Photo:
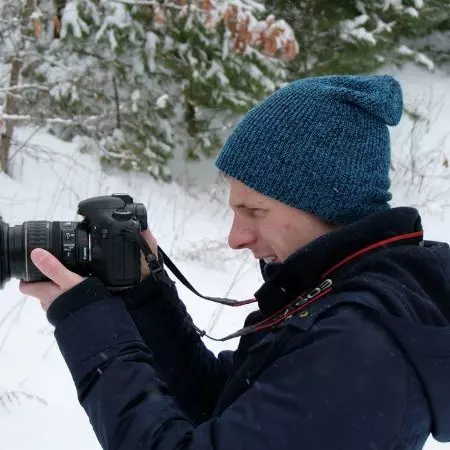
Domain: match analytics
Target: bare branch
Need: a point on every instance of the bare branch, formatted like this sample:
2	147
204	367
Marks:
117	102
28	118
24	86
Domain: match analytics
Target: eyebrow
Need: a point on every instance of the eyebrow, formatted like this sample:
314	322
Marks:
243	205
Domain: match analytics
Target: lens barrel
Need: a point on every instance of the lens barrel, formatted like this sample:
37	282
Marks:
68	241
4	266
22	239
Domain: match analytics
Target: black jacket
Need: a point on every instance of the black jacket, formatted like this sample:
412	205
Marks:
365	366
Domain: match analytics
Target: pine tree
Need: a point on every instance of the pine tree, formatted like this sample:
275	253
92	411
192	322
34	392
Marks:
360	36
141	78
430	34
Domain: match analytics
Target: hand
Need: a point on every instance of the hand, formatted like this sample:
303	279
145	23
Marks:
151	241
62	279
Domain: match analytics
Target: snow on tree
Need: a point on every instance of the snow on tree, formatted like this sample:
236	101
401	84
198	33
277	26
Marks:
16	17
141	78
359	36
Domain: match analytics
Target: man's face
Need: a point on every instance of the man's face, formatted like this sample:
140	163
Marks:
270	229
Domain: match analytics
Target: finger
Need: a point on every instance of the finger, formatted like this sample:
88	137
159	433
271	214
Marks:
45	291
53	269
151	240
145	271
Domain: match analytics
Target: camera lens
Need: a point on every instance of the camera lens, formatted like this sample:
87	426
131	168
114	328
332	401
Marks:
68	241
4	267
22	239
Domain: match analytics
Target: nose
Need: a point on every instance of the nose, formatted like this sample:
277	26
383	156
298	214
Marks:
241	234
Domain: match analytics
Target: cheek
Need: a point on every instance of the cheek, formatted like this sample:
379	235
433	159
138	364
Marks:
287	227
271	233
277	228
285	238
281	228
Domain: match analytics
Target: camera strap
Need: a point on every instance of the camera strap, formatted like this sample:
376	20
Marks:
156	267
324	287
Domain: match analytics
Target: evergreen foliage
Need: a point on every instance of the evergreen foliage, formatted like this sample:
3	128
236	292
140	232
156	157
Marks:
142	79
342	36
138	80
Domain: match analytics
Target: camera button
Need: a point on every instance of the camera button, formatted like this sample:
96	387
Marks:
69	237
122	214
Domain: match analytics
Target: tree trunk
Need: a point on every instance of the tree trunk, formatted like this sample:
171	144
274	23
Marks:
10	107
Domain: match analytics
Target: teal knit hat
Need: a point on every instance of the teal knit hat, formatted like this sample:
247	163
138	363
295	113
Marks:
320	144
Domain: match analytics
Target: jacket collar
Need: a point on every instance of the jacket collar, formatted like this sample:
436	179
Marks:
304	269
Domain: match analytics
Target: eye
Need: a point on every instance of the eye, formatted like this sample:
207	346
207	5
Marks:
257	212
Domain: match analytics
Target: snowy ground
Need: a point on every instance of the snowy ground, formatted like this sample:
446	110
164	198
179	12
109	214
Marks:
38	405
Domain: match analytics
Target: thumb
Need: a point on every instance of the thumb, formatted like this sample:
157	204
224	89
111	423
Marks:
53	269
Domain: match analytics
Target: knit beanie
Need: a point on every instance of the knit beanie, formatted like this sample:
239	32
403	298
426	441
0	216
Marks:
320	144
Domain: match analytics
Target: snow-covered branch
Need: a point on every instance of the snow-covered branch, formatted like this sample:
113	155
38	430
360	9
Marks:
29	118
20	87
140	2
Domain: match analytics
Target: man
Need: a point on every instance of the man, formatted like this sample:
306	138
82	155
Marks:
350	347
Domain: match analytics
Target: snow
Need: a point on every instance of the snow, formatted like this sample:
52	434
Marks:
72	19
353	29
38	405
404	50
423	59
287	33
412	12
135	97
256	6
150	48
225	49
396	4
161	101
119	18
216	70
363	34
36	14
112	40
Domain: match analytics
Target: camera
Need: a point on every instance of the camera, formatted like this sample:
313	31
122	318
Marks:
104	244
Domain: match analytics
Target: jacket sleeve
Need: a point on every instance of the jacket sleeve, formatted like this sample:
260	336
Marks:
180	357
343	386
193	373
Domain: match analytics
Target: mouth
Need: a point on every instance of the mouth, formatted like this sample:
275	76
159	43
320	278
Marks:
269	259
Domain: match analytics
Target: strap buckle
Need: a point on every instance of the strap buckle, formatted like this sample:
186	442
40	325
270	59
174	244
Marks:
155	267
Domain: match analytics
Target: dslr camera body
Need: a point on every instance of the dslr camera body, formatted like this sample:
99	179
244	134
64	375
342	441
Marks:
104	244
